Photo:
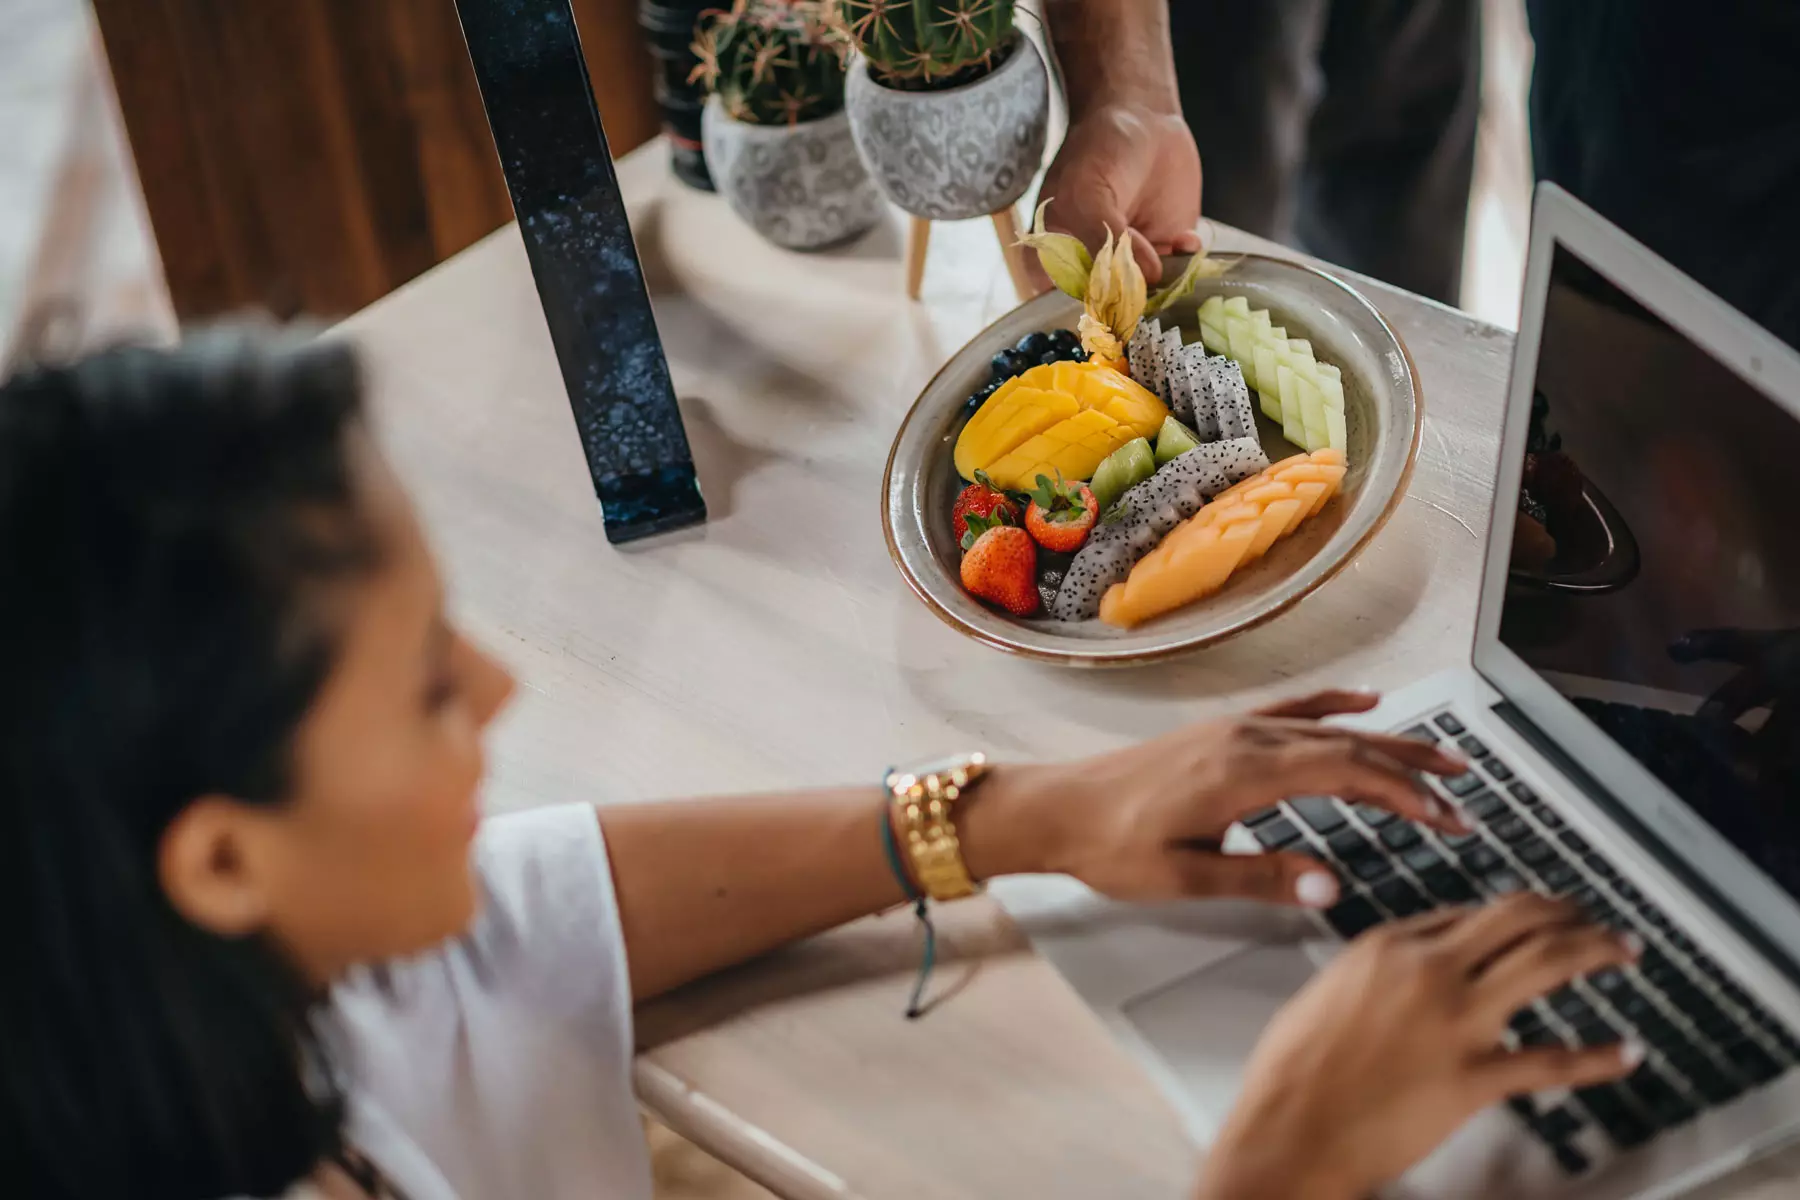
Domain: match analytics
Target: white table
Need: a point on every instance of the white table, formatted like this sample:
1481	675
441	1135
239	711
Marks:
777	646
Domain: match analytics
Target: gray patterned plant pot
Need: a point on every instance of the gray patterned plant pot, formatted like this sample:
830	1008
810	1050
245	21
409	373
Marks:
961	153
801	186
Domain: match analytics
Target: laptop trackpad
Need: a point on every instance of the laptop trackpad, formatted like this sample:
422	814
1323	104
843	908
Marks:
1202	1027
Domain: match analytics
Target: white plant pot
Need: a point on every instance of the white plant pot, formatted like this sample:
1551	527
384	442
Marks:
951	155
801	186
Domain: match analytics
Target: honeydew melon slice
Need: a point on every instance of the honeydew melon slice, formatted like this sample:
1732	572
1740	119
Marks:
1242	339
1293	420
1269	391
1214	337
1237	306
1312	412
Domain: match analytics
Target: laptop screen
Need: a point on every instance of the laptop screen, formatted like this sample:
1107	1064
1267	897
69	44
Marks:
1655	571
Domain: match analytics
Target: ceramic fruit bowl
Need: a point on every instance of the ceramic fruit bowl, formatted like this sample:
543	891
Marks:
1364	438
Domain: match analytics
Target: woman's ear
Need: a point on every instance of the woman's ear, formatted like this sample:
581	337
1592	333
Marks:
208	864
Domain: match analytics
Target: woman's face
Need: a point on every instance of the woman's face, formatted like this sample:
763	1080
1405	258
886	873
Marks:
369	856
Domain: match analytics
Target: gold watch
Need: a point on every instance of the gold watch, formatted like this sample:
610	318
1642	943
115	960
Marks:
924	800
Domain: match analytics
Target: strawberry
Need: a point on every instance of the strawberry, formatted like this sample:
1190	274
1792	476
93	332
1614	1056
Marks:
1000	566
1061	514
981	498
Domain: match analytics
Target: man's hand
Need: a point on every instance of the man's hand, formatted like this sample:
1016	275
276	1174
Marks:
1126	166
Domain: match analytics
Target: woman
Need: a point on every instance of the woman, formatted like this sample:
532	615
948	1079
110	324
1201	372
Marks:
262	946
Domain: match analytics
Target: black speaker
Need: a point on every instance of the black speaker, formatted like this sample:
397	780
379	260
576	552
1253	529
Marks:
668	27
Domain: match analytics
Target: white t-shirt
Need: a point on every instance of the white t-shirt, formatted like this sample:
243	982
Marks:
499	1065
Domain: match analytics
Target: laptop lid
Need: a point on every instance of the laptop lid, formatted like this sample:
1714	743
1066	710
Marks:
1640	602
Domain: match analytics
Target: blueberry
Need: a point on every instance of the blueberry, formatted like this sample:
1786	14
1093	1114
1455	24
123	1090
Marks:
1007	363
1050	356
1078	354
1033	345
983	392
1065	340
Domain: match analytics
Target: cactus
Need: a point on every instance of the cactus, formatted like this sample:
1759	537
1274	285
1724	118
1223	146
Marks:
917	45
772	62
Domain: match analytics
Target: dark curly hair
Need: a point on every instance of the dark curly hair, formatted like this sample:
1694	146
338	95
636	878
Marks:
169	521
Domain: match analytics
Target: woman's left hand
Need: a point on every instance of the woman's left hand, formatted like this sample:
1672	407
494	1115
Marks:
1147	823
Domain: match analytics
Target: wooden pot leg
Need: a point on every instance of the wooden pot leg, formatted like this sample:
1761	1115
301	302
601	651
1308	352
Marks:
918	240
1006	226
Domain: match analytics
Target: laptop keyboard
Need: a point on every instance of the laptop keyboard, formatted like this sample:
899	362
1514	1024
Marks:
1708	1041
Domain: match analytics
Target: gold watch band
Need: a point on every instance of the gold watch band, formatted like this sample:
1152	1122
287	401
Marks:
924	801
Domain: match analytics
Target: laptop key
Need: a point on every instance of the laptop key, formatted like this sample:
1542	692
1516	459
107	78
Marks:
1556	1124
1419	733
1511	829
1353	916
1449	724
1277	834
1570	1158
1549	818
1486	807
1401	898
1497	770
1574	841
1524	795
1370	867
1752	1061
1481	859
1534	852
1600	867
1349	843
1660	1098
1559	877
1421	859
1259	818
1457	841
1571	1006
1447	886
1465	784
1374	817
1472	747
1611	1112
1596	1033
1320	812
1504	882
1400	837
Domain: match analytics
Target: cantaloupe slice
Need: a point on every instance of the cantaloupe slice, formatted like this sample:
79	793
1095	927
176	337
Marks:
1238	527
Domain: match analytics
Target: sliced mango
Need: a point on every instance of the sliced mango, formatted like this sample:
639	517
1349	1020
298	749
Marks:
1062	416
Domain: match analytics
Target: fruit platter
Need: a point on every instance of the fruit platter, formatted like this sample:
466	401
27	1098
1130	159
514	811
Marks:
1107	476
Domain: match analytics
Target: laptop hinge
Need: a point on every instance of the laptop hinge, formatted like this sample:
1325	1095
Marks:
1669	860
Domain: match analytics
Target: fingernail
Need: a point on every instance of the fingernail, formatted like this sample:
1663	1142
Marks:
1631	1053
1316	889
1634	945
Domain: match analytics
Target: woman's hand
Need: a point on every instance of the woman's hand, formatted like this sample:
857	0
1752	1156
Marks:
1390	1049
1146	823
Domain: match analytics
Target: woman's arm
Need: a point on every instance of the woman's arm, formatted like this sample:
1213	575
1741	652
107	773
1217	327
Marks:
705	884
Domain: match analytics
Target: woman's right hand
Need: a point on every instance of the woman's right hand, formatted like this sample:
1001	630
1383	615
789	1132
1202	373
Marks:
1390	1049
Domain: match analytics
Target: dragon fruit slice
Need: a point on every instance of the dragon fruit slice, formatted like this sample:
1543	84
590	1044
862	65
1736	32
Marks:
1231	398
1141	352
1202	416
1147	513
1096	567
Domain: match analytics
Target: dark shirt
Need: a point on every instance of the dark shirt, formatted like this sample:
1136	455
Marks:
1680	122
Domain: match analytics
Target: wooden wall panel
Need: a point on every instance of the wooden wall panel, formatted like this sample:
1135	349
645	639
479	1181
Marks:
309	156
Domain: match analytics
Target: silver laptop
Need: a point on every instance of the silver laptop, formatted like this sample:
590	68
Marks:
1632	706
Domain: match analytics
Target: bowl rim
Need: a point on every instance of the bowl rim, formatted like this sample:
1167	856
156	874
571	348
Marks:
1200	642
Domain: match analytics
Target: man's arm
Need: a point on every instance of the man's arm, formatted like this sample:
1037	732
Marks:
1112	51
1129	161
